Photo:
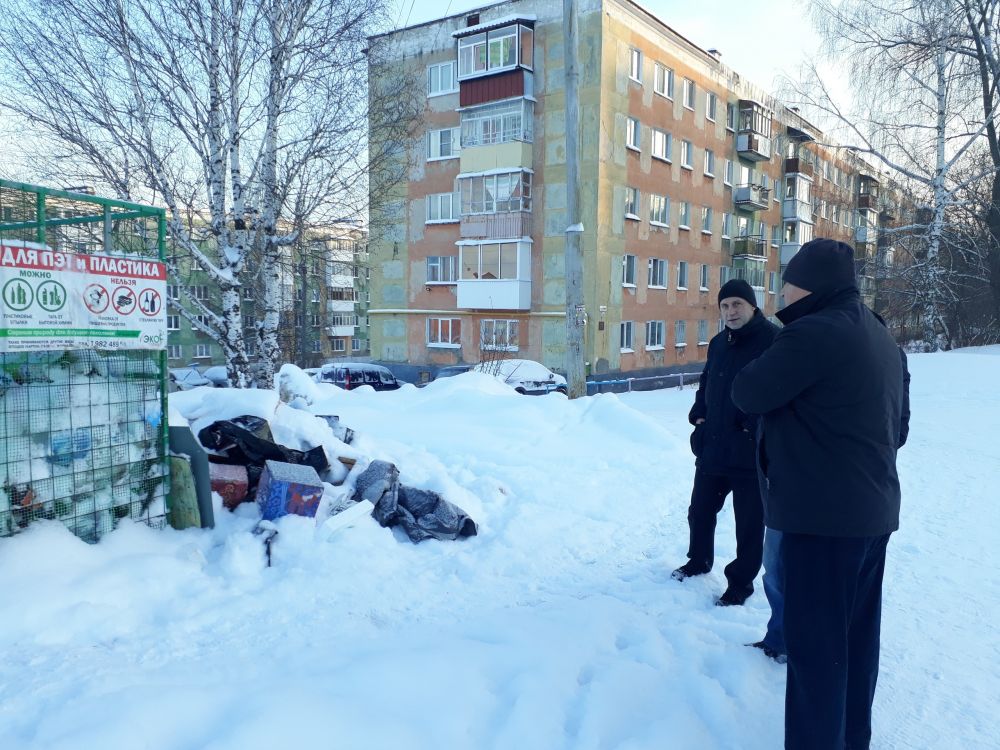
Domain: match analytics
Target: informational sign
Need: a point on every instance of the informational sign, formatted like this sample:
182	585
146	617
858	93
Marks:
51	300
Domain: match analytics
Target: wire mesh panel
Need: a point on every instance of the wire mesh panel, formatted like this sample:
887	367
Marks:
82	430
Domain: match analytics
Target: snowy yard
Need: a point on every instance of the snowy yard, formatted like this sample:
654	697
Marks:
557	627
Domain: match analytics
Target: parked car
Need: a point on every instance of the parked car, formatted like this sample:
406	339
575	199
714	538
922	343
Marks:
350	375
186	378
525	376
218	375
451	371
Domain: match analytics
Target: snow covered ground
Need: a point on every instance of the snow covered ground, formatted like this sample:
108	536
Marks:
557	627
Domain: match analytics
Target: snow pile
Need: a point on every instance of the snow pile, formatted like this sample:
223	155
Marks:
557	627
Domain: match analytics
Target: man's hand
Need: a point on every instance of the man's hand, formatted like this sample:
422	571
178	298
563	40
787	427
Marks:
699	421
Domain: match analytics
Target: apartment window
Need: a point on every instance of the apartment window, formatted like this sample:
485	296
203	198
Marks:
727	176
682	274
251	347
657	273
762	233
443	144
492	260
339	345
175	351
706	220
631	203
173	292
344	319
709	162
627	330
499	335
772	282
299	320
633	134
173	322
315	320
702	332
203	319
689	90
687	155
496	193
635	65
202	351
628	270
442	208
314	347
730	116
703	283
247	292
654	334
727	225
441	79
442	269
498	123
315	295
662	144
298	295
724	273
659	210
711	105
355	345
685	215
445	333
342	294
198	292
835	214
680	333
776	235
663	82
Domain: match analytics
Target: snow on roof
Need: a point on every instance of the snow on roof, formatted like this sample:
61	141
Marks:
487	25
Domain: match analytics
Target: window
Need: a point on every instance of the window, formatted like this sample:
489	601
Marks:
706	220
498	123
442	208
314	347
339	345
685	215
703	283
496	193
173	292
711	105
442	269
776	235
251	346
709	162
687	155
315	320
198	292
727	225
702	332
728	175
635	65
444	333
663	81
659	210
626	336
662	144
680	333
344	319
491	261
654	334
633	135
443	144
202	351
315	295
499	335
497	49
628	270
173	322
772	282
247	292
355	345
631	203
657	273
724	273
730	116
203	319
441	79
342	294
299	320
175	351
688	93
682	274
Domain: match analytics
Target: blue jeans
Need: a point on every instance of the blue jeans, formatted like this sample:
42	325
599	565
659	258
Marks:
774	590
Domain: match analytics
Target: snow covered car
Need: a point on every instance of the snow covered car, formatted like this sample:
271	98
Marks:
451	371
525	376
350	375
185	378
218	375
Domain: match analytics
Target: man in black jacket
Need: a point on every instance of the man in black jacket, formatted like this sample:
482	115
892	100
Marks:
831	392
724	441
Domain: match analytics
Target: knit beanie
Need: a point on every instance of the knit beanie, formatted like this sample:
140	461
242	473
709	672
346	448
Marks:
822	265
738	288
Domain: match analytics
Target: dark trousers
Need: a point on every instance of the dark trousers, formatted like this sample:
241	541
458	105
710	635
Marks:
833	612
707	499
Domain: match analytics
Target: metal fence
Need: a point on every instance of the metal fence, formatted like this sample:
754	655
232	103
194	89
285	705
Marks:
643	383
83	433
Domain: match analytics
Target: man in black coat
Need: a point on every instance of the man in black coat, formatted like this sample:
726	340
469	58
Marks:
724	441
831	392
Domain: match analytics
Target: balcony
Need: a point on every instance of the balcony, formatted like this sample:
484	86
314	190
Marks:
792	209
788	250
868	201
796	165
341	330
865	235
340	306
499	226
494	294
752	197
753	146
752	245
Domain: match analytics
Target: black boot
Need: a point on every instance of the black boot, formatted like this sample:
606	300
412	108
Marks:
690	569
734	597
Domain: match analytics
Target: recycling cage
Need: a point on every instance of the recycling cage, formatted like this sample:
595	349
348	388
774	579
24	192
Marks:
83	432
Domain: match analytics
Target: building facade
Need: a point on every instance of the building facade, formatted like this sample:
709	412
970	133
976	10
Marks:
689	175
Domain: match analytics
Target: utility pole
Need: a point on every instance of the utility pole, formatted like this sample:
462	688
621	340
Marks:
575	310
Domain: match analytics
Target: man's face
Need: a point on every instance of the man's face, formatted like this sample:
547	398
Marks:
736	312
793	293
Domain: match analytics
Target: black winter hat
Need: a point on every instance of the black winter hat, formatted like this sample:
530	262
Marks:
822	265
738	288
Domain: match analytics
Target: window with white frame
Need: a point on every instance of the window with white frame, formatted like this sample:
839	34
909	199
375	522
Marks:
499	335
776	235
657	273
495	193
631	203
711	106
355	345
173	292
315	320
682	274
342	294
684	215
441	79
730	116
498	123
175	351
299	320
724	273
727	225
626	336
628	270
199	291
202	351
442	269
490	261
173	322
709	162
496	49
689	92
680	333
662	143
339	345
314	347
687	155
702	332
442	208
706	220
659	210
703	282
445	333
443	144
654	334
315	295
772	282
728	175
663	81
635	65
344	319
248	292
633	134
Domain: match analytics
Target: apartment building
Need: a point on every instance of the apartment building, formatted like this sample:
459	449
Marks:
689	175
